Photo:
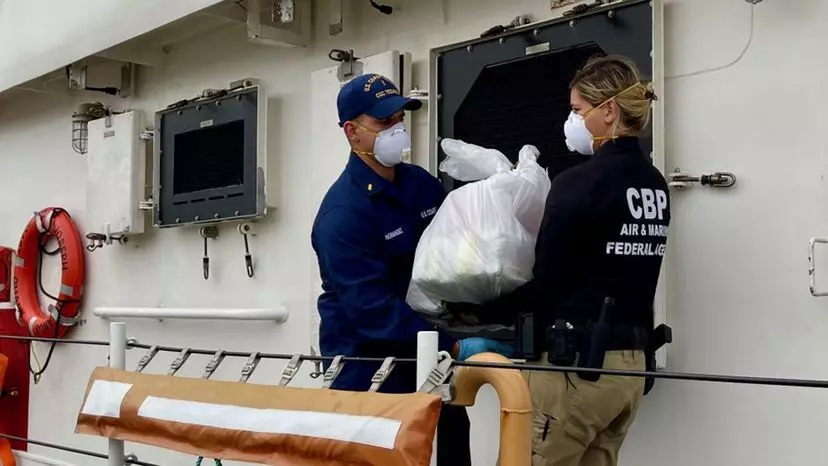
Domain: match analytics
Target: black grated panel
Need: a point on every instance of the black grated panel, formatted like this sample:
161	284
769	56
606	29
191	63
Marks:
524	101
501	92
209	158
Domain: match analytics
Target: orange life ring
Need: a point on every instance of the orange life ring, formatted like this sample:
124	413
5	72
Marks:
51	222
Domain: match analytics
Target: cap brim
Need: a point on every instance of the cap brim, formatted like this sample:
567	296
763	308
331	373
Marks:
388	107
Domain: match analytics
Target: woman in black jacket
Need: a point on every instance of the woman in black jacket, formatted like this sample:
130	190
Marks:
597	263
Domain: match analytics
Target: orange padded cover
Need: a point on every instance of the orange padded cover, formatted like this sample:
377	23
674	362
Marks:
259	423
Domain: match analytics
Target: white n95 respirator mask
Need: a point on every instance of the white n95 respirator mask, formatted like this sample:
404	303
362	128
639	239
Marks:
392	145
578	137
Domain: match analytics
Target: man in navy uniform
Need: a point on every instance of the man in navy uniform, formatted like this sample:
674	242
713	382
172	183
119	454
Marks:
365	235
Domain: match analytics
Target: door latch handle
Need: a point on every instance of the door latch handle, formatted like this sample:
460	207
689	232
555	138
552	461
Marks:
681	180
812	266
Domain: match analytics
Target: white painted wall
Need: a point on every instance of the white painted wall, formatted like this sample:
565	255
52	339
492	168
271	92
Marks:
737	274
50	34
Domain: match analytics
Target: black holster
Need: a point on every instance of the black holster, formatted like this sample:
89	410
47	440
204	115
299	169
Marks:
528	337
596	338
659	337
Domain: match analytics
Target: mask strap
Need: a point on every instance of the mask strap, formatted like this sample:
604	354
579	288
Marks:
367	130
615	124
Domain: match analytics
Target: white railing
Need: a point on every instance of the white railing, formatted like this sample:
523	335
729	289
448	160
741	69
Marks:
25	458
278	314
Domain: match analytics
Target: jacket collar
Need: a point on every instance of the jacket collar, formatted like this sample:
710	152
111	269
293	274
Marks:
622	145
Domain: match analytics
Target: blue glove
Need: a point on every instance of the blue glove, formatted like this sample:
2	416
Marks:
471	346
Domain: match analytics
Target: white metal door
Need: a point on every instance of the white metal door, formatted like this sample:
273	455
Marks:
330	149
737	272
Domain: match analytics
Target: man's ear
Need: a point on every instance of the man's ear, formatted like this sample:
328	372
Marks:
350	130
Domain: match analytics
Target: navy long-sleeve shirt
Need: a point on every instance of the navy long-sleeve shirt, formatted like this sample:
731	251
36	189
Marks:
365	235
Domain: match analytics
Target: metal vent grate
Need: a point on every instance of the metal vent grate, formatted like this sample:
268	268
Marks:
524	101
209	158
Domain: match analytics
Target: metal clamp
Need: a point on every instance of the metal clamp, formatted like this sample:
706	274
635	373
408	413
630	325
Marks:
681	180
812	266
207	232
245	229
250	366
317	365
146	358
436	381
213	364
333	371
289	372
179	361
382	374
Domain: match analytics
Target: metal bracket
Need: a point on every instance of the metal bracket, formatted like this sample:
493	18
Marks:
77	77
99	240
681	180
250	366
382	374
179	361
146	204
146	358
213	364
812	266
333	371
289	372
349	65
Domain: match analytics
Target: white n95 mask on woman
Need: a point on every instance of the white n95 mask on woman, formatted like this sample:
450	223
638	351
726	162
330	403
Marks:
578	137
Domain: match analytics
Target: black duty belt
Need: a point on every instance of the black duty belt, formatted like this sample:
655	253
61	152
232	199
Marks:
627	337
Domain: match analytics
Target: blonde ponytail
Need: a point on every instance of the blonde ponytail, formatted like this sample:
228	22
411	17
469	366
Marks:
616	78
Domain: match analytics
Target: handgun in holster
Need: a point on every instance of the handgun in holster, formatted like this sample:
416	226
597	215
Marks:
659	337
596	336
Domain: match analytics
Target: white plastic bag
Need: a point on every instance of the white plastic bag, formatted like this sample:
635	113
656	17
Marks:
422	303
468	162
481	242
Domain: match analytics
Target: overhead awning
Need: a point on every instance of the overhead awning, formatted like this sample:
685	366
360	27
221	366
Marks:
37	38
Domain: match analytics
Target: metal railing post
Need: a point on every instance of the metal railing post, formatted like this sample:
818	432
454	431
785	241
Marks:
427	348
117	360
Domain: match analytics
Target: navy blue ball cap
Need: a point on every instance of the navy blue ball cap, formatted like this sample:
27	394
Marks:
373	95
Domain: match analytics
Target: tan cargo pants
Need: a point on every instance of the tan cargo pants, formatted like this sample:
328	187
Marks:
580	423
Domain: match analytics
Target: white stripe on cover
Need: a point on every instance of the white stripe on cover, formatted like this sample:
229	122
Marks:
367	430
105	398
